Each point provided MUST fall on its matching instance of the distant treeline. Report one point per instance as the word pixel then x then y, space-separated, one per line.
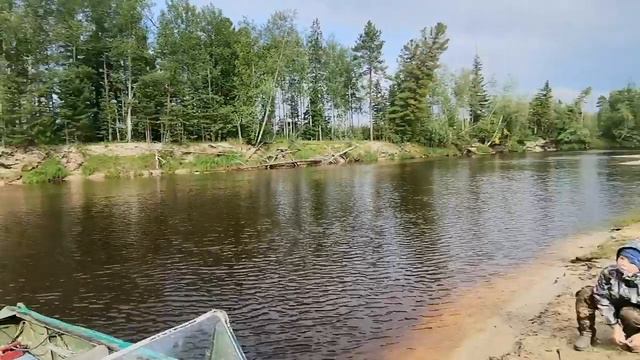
pixel 109 70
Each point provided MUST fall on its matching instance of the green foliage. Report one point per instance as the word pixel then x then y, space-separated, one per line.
pixel 514 146
pixel 478 98
pixel 409 114
pixel 77 105
pixel 370 63
pixel 449 151
pixel 205 163
pixel 540 112
pixel 572 147
pixel 619 117
pixel 575 134
pixel 309 152
pixel 51 170
pixel 362 155
pixel 118 166
pixel 317 125
pixel 84 71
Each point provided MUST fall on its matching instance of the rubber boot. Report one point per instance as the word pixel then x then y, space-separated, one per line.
pixel 584 341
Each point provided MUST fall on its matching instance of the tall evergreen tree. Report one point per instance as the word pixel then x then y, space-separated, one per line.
pixel 77 105
pixel 541 112
pixel 420 58
pixel 317 87
pixel 379 104
pixel 368 54
pixel 478 98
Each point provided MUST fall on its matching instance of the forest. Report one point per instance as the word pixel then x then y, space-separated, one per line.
pixel 82 71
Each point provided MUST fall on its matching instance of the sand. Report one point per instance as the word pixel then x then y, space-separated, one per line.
pixel 528 314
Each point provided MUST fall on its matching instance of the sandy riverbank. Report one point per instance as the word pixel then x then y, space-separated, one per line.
pixel 117 160
pixel 527 314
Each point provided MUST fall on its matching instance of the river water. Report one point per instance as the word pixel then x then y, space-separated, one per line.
pixel 318 263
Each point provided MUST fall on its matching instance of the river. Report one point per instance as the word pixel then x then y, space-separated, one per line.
pixel 338 262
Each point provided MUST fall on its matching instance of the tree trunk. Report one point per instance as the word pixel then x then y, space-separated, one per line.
pixel 275 78
pixel 118 118
pixel 370 103
pixel 4 127
pixel 168 108
pixel 107 97
pixel 148 132
pixel 129 101
pixel 66 133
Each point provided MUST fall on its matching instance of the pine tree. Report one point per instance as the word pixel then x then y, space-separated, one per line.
pixel 317 91
pixel 478 97
pixel 408 111
pixel 541 112
pixel 379 105
pixel 77 103
pixel 368 54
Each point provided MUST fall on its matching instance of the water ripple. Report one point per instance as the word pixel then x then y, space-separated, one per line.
pixel 314 264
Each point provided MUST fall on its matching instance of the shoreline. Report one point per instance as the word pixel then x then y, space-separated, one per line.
pixel 102 161
pixel 130 160
pixel 528 313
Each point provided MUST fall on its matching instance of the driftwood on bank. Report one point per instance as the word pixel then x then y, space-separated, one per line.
pixel 332 159
pixel 283 158
pixel 253 151
pixel 284 164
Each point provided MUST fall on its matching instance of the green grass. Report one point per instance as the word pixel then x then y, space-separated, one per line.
pixel 571 147
pixel 404 155
pixel 171 164
pixel 309 152
pixel 204 163
pixel 515 147
pixel 604 144
pixel 50 171
pixel 442 152
pixel 118 166
pixel 362 155
pixel 369 156
pixel 483 149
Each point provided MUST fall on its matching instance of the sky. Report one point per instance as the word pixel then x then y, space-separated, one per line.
pixel 571 43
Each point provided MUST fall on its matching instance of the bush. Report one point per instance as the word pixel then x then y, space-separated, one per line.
pixel 362 155
pixel 204 163
pixel 514 146
pixel 483 149
pixel 118 166
pixel 448 151
pixel 50 171
pixel 572 147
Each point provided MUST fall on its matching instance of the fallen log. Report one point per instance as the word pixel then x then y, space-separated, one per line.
pixel 334 157
pixel 281 164
pixel 253 151
pixel 217 153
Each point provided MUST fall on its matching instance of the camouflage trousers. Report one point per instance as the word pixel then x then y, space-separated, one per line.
pixel 586 308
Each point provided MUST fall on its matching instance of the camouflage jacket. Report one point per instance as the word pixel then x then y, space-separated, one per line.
pixel 615 290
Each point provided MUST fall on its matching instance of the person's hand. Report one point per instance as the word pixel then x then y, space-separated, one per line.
pixel 618 335
pixel 634 343
pixel 14 344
